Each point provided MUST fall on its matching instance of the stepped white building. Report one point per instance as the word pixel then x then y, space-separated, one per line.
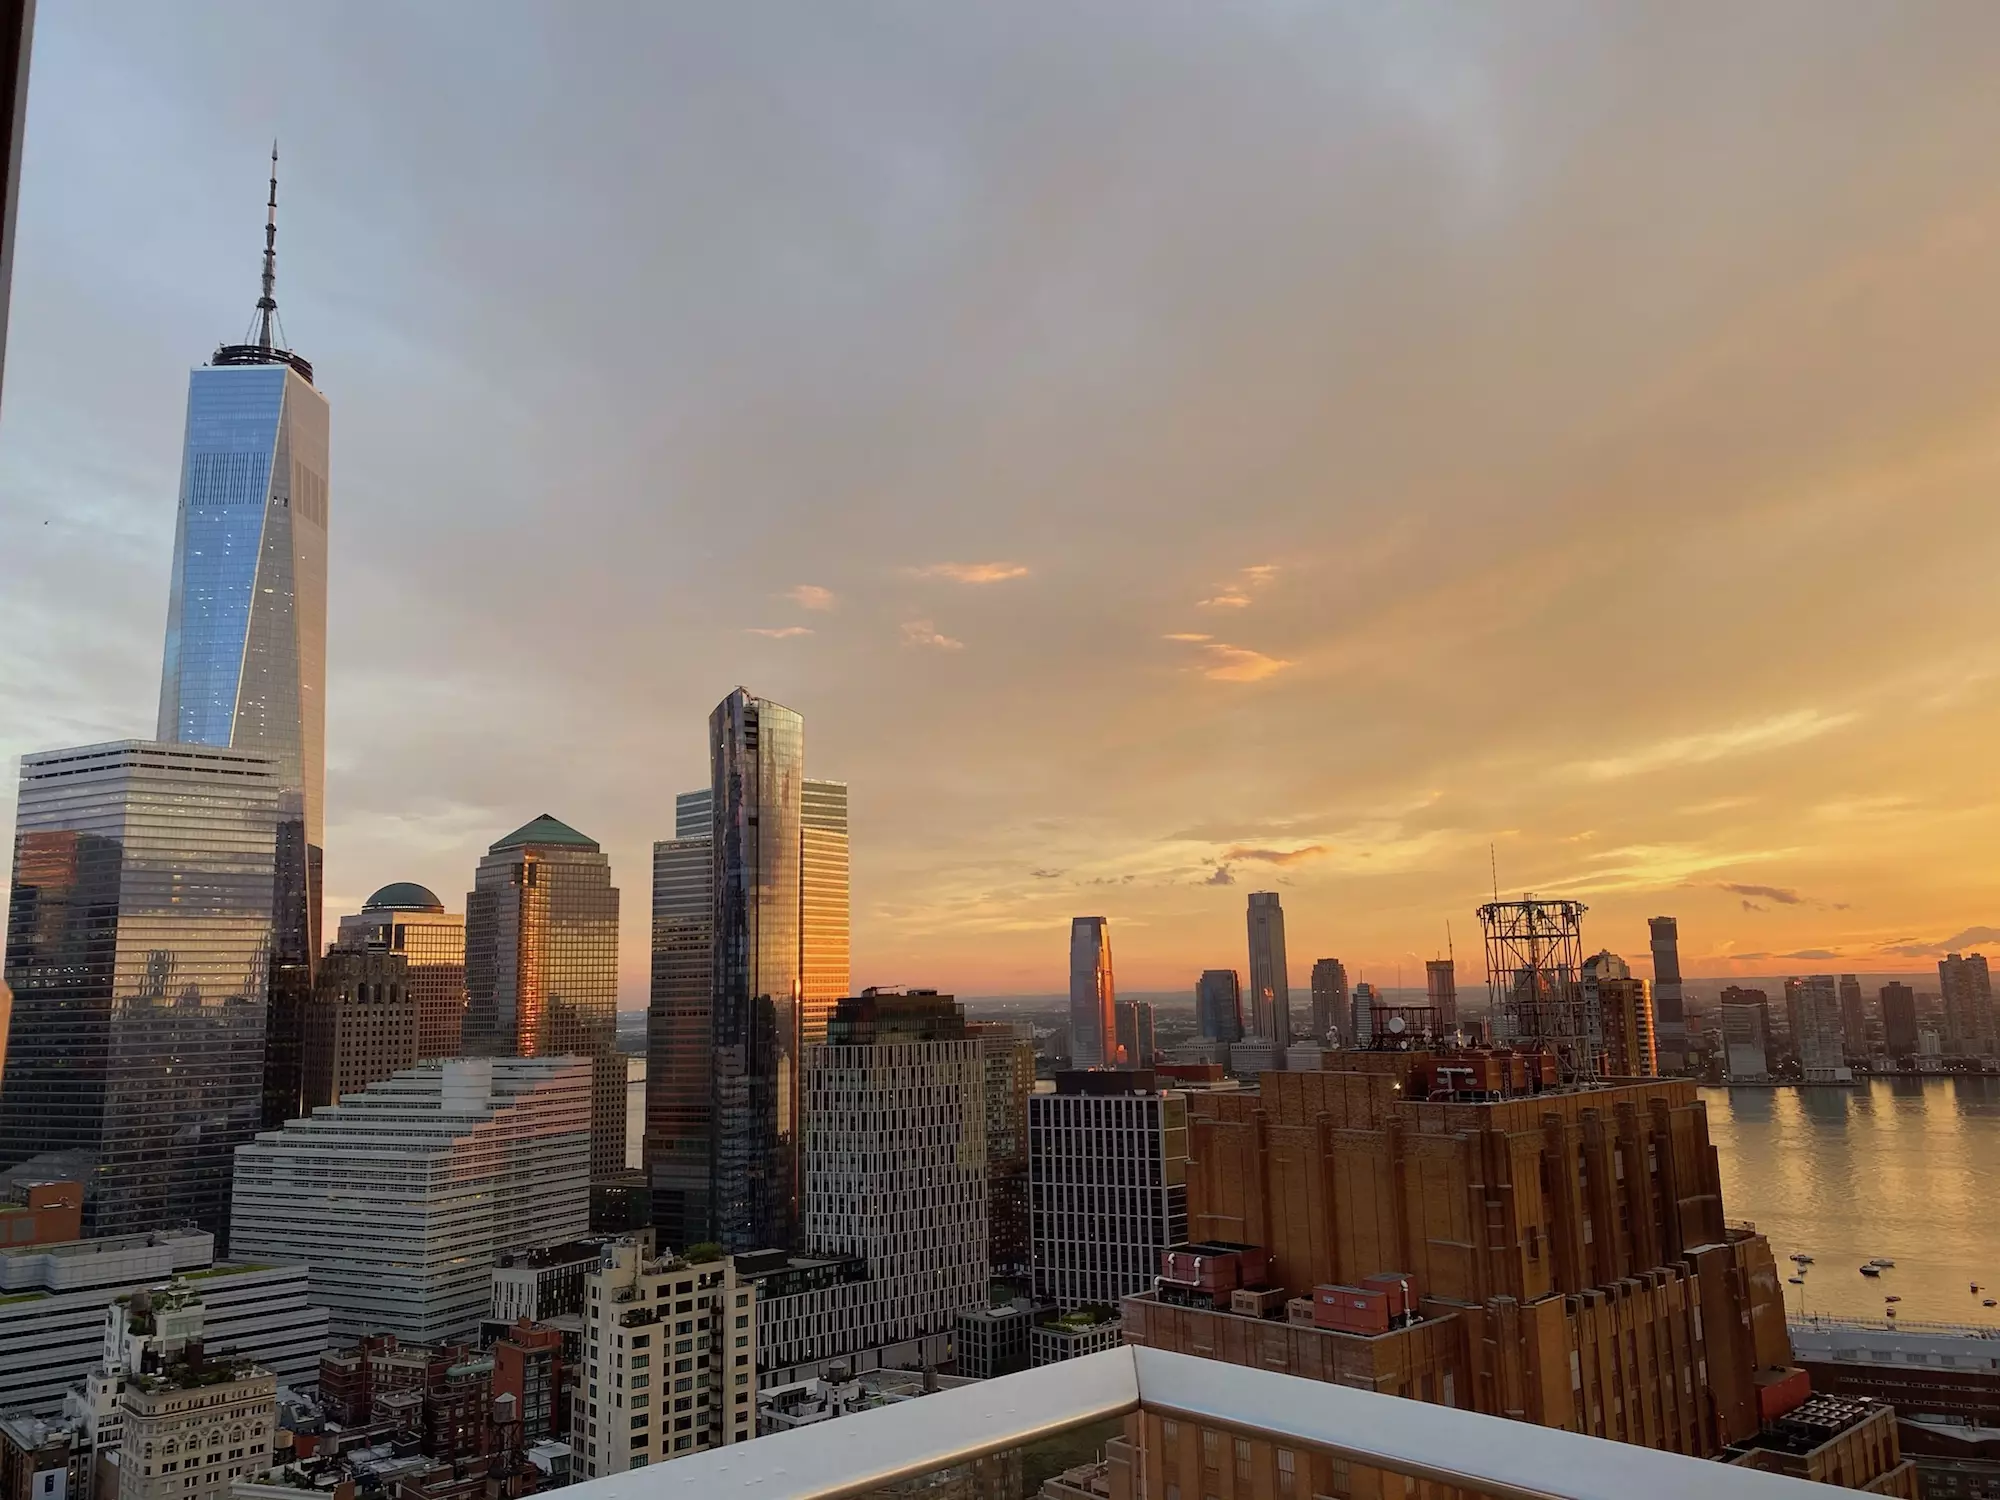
pixel 397 1198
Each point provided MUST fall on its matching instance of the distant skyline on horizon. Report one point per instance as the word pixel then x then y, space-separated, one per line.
pixel 1138 444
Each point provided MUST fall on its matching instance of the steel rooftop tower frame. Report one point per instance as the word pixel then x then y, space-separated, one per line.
pixel 245 659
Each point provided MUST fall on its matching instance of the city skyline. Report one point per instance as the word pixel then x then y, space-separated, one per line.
pixel 1262 623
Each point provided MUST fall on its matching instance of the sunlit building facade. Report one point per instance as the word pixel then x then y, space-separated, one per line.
pixel 1093 994
pixel 541 966
pixel 680 1146
pixel 138 947
pixel 1270 981
pixel 407 919
pixel 1669 1005
pixel 245 659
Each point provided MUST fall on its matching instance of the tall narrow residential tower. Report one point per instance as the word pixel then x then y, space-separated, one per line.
pixel 1669 1008
pixel 246 619
pixel 541 966
pixel 1270 993
pixel 1093 994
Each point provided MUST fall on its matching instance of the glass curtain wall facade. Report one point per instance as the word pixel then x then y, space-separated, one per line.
pixel 680 1069
pixel 139 943
pixel 678 1043
pixel 824 979
pixel 245 659
pixel 757 759
pixel 1218 1005
pixel 541 967
pixel 1093 994
pixel 406 918
pixel 1270 983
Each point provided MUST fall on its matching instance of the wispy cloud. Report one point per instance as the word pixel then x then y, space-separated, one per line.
pixel 1958 942
pixel 1187 635
pixel 811 596
pixel 1759 735
pixel 1231 600
pixel 923 633
pixel 1783 895
pixel 1240 664
pixel 983 572
pixel 1276 856
pixel 780 632
pixel 1222 875
pixel 1260 574
pixel 1812 953
pixel 1046 874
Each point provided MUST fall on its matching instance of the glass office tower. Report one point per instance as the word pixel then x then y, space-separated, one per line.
pixel 245 658
pixel 757 769
pixel 138 948
pixel 1270 983
pixel 680 1044
pixel 1093 994
pixel 541 967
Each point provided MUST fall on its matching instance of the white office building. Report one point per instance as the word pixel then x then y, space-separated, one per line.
pixel 54 1298
pixel 669 1359
pixel 1107 1184
pixel 399 1197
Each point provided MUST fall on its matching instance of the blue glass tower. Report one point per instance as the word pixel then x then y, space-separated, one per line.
pixel 246 622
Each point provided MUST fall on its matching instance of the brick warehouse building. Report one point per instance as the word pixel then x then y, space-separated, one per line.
pixel 1563 1250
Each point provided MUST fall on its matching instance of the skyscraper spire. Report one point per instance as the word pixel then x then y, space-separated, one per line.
pixel 267 305
pixel 264 344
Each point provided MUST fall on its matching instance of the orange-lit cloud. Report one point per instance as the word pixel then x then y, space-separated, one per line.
pixel 780 632
pixel 811 596
pixel 985 572
pixel 1225 601
pixel 1186 635
pixel 1773 733
pixel 1275 856
pixel 923 633
pixel 1240 664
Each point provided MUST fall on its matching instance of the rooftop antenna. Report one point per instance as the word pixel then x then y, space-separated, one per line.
pixel 267 305
pixel 1493 860
pixel 1450 952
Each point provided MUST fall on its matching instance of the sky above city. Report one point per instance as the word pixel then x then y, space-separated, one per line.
pixel 1165 451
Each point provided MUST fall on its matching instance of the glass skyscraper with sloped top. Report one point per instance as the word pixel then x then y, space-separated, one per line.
pixel 245 662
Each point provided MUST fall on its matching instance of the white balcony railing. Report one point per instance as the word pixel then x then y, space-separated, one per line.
pixel 838 1460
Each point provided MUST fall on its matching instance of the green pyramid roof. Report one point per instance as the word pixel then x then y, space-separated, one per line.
pixel 543 830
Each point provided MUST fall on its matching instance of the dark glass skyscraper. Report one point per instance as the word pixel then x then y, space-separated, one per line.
pixel 138 948
pixel 757 765
pixel 246 618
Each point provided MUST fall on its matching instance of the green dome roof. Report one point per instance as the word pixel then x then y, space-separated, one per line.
pixel 404 895
pixel 544 830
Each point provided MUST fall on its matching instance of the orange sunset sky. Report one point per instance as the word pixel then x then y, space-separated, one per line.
pixel 1164 452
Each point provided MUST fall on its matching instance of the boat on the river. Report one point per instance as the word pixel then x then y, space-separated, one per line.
pixel 1882 1265
pixel 1871 1270
pixel 1796 1280
pixel 1804 1260
pixel 1892 1297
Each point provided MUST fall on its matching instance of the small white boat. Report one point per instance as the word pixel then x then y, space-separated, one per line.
pixel 1882 1265
pixel 1804 1260
pixel 1796 1280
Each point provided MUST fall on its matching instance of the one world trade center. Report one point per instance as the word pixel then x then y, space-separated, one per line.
pixel 246 624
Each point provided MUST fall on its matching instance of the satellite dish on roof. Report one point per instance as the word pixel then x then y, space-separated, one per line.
pixel 1396 1025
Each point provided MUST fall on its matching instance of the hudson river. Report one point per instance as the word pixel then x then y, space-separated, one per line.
pixel 1908 1170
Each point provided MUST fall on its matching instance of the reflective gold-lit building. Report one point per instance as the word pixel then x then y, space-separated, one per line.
pixel 406 918
pixel 541 966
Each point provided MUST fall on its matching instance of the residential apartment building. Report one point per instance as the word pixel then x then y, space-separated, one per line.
pixel 1746 1041
pixel 542 1283
pixel 1813 1005
pixel 670 1363
pixel 1009 1060
pixel 192 1421
pixel 896 1193
pixel 1967 988
pixel 400 1197
pixel 1622 1013
pixel 1899 1020
pixel 1107 1172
